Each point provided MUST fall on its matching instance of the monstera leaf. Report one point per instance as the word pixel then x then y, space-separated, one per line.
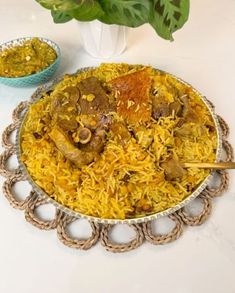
pixel 165 16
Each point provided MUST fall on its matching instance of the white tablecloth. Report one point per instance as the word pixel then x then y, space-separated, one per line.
pixel 203 259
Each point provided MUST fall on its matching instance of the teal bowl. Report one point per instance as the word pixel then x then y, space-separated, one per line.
pixel 36 78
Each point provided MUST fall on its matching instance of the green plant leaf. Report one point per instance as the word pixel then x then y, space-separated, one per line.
pixel 60 17
pixel 167 16
pixel 58 5
pixel 87 10
pixel 83 10
pixel 131 13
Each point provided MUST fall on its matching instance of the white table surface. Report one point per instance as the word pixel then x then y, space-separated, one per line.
pixel 203 259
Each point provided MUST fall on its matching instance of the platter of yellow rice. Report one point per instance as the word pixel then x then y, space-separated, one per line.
pixel 130 180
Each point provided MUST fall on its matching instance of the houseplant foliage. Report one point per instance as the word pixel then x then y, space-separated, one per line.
pixel 165 16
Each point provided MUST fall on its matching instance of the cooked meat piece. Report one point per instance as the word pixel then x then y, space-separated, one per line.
pixel 96 144
pixel 73 154
pixel 144 136
pixel 89 121
pixel 133 98
pixel 73 93
pixel 176 107
pixel 95 121
pixel 184 100
pixel 192 116
pixel 172 169
pixel 104 121
pixel 66 120
pixel 188 113
pixel 120 131
pixel 190 129
pixel 98 124
pixel 160 107
pixel 184 131
pixel 99 103
pixel 68 97
pixel 64 108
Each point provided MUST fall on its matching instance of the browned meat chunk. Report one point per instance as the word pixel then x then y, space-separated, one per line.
pixel 133 98
pixel 93 98
pixel 181 108
pixel 64 108
pixel 188 113
pixel 96 144
pixel 86 105
pixel 89 121
pixel 173 170
pixel 160 107
pixel 65 146
pixel 99 125
pixel 121 132
pixel 73 93
pixel 176 107
pixel 190 129
pixel 87 98
pixel 184 130
pixel 143 135
pixel 95 121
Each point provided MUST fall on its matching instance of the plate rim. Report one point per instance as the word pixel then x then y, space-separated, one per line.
pixel 48 86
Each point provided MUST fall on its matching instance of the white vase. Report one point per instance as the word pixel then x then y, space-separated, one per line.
pixel 101 40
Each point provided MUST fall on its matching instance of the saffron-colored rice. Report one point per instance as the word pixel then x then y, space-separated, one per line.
pixel 98 189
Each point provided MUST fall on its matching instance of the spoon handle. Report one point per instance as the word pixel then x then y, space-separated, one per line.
pixel 216 166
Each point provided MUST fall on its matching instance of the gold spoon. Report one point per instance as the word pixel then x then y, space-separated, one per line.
pixel 216 166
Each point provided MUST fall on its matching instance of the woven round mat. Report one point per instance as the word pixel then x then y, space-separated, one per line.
pixel 144 232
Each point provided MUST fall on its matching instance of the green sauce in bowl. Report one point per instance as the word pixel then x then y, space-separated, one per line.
pixel 30 57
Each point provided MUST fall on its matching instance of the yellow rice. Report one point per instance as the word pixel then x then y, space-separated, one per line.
pixel 98 189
